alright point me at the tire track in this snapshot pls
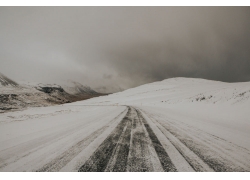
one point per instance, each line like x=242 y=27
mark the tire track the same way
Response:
x=217 y=152
x=61 y=160
x=131 y=146
x=139 y=155
x=121 y=152
x=197 y=163
x=213 y=155
x=163 y=156
x=178 y=160
x=13 y=154
x=203 y=151
x=100 y=159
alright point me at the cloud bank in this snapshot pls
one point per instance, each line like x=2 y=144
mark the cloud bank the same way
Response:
x=115 y=48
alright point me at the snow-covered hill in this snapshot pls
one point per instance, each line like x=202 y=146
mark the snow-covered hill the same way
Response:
x=16 y=96
x=183 y=90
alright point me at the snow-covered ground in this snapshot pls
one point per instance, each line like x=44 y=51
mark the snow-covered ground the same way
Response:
x=32 y=138
x=199 y=125
x=196 y=101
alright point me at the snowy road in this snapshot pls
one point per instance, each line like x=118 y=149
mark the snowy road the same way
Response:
x=111 y=138
x=202 y=150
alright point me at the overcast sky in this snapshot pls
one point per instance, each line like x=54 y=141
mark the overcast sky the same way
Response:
x=115 y=48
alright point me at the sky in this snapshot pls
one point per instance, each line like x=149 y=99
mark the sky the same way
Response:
x=115 y=48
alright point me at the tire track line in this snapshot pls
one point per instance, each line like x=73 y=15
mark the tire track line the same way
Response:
x=20 y=151
x=216 y=152
x=157 y=165
x=77 y=162
x=118 y=162
x=139 y=156
x=178 y=160
x=131 y=146
x=194 y=160
x=163 y=156
x=61 y=160
x=99 y=160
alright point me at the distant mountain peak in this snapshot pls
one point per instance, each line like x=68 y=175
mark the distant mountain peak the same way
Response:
x=77 y=88
x=5 y=81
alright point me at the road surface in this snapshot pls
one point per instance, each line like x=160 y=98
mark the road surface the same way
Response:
x=113 y=139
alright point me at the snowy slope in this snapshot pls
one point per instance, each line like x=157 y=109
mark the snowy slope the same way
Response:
x=5 y=81
x=76 y=88
x=205 y=104
x=179 y=124
x=71 y=87
x=17 y=96
x=184 y=90
x=32 y=138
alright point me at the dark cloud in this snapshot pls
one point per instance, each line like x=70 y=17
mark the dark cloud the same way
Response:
x=114 y=48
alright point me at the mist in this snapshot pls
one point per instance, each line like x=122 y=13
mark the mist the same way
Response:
x=115 y=48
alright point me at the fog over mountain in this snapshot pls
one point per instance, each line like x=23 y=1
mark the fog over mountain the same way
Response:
x=115 y=48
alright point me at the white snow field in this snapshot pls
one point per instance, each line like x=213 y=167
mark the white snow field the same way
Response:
x=178 y=124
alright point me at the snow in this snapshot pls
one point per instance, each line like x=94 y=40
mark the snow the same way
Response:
x=47 y=132
x=211 y=116
x=225 y=114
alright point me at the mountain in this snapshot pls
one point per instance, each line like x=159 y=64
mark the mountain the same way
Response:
x=76 y=88
x=15 y=96
x=70 y=87
x=69 y=93
x=5 y=81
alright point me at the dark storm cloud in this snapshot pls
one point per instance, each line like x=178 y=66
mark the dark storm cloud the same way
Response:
x=215 y=47
x=114 y=48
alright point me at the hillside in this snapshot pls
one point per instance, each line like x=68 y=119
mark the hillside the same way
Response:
x=5 y=81
x=181 y=91
x=76 y=88
x=17 y=96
